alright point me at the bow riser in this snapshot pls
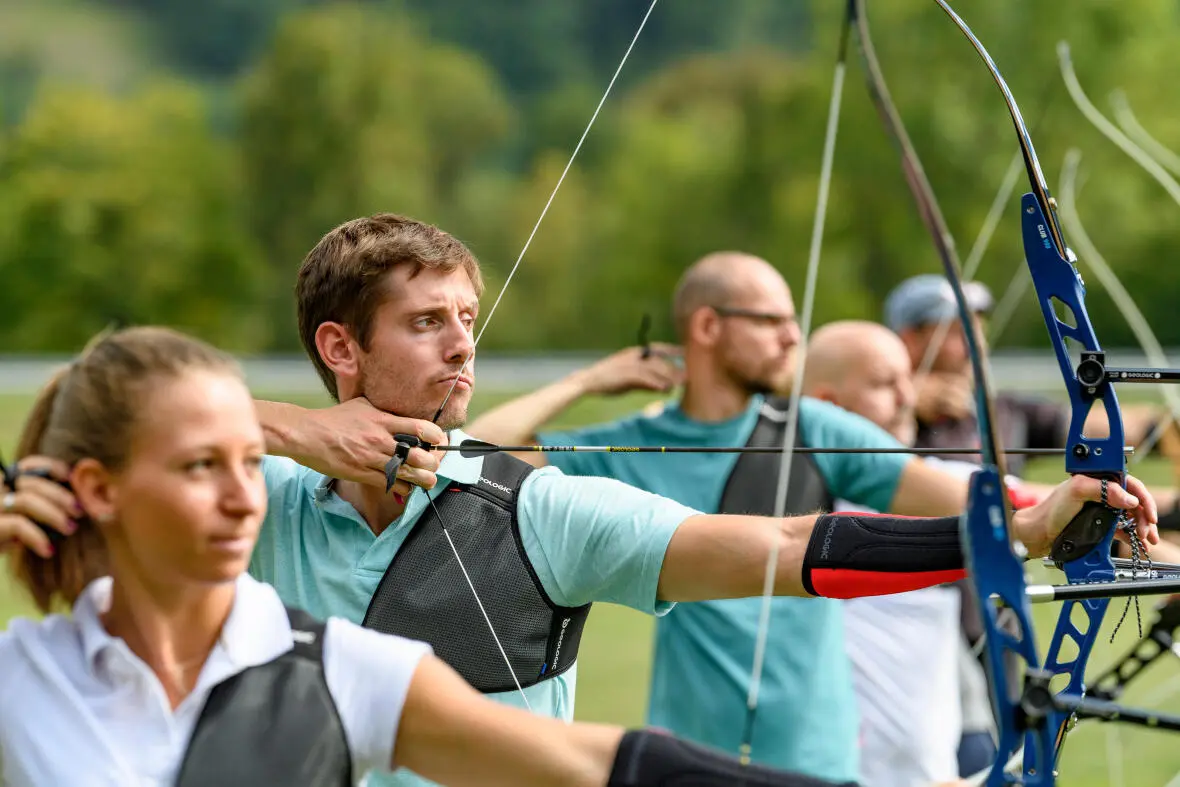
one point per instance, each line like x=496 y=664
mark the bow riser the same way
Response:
x=1057 y=282
x=997 y=575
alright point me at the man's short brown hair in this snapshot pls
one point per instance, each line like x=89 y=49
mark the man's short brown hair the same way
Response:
x=343 y=279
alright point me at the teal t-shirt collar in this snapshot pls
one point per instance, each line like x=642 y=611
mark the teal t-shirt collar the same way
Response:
x=675 y=419
x=454 y=468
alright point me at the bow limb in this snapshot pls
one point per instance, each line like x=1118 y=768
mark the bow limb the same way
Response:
x=995 y=569
x=1059 y=287
x=1006 y=306
x=1110 y=130
x=1135 y=131
x=915 y=175
x=788 y=448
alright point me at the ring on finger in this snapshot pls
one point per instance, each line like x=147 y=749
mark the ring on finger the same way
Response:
x=8 y=504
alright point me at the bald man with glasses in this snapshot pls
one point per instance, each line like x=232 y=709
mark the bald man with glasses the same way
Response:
x=738 y=334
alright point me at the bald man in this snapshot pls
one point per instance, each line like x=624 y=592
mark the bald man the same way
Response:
x=736 y=322
x=906 y=650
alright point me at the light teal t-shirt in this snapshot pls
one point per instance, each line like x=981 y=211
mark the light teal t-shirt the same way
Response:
x=807 y=719
x=588 y=539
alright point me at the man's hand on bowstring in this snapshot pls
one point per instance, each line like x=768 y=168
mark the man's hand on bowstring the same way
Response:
x=354 y=440
x=632 y=369
x=1037 y=526
x=942 y=395
x=41 y=496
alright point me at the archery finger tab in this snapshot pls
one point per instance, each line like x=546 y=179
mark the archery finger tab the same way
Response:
x=410 y=441
x=400 y=452
x=391 y=468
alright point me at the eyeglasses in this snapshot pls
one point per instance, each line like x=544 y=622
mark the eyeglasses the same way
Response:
x=769 y=319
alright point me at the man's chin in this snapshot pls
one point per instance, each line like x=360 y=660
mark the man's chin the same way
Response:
x=760 y=388
x=453 y=417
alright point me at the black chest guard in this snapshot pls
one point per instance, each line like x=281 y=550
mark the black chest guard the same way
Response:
x=753 y=484
x=275 y=723
x=424 y=595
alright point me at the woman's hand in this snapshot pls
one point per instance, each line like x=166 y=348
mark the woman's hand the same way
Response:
x=41 y=503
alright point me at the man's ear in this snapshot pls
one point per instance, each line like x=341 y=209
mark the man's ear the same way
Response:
x=704 y=327
x=337 y=348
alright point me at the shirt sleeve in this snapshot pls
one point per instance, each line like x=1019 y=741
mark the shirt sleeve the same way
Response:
x=369 y=675
x=597 y=539
x=282 y=477
x=868 y=479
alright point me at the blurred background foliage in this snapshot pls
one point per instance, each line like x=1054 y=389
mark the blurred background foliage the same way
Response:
x=171 y=161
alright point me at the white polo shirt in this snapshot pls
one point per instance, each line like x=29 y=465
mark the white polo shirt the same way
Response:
x=906 y=653
x=77 y=707
x=904 y=650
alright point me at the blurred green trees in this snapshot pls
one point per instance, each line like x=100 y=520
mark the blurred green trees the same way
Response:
x=122 y=210
x=191 y=199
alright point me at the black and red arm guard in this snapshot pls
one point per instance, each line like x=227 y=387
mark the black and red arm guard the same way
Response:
x=856 y=554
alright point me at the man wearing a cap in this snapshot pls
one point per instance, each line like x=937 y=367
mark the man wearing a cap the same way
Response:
x=915 y=311
x=946 y=406
x=945 y=410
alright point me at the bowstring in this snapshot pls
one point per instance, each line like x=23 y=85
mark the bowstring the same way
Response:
x=471 y=354
x=789 y=437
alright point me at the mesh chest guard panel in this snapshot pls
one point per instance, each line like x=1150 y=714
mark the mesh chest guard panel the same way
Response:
x=423 y=594
x=752 y=485
x=274 y=723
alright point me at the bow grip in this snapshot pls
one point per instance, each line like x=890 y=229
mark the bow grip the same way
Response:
x=1083 y=533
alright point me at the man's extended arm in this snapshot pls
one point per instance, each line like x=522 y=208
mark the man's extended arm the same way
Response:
x=518 y=421
x=725 y=556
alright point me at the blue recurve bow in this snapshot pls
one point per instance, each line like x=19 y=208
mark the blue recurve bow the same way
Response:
x=1034 y=713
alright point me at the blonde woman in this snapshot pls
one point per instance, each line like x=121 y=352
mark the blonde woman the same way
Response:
x=138 y=502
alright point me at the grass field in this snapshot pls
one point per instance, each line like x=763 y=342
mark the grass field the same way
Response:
x=615 y=658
